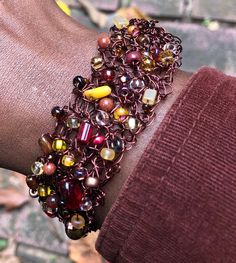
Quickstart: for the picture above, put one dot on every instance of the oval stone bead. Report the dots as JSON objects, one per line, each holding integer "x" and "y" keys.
{"x": 108, "y": 154}
{"x": 45, "y": 143}
{"x": 77, "y": 221}
{"x": 71, "y": 193}
{"x": 37, "y": 168}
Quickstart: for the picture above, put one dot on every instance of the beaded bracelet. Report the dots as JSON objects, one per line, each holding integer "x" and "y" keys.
{"x": 132, "y": 73}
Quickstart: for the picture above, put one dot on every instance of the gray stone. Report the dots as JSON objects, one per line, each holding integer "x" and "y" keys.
{"x": 217, "y": 9}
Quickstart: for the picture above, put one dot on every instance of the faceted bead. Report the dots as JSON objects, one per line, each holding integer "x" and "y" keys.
{"x": 44, "y": 191}
{"x": 32, "y": 182}
{"x": 45, "y": 143}
{"x": 136, "y": 84}
{"x": 57, "y": 111}
{"x": 125, "y": 78}
{"x": 120, "y": 113}
{"x": 108, "y": 74}
{"x": 97, "y": 93}
{"x": 149, "y": 96}
{"x": 71, "y": 193}
{"x": 165, "y": 57}
{"x": 103, "y": 40}
{"x": 142, "y": 40}
{"x": 77, "y": 221}
{"x": 86, "y": 204}
{"x": 97, "y": 63}
{"x": 148, "y": 64}
{"x": 68, "y": 160}
{"x": 59, "y": 145}
{"x": 107, "y": 154}
{"x": 72, "y": 232}
{"x": 37, "y": 168}
{"x": 102, "y": 118}
{"x": 73, "y": 123}
{"x": 92, "y": 182}
{"x": 85, "y": 132}
{"x": 80, "y": 173}
{"x": 117, "y": 144}
{"x": 132, "y": 124}
{"x": 98, "y": 140}
{"x": 120, "y": 22}
{"x": 49, "y": 168}
{"x": 52, "y": 201}
{"x": 133, "y": 56}
{"x": 106, "y": 104}
{"x": 79, "y": 82}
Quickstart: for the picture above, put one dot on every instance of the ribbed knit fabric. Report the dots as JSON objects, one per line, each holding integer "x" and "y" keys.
{"x": 179, "y": 205}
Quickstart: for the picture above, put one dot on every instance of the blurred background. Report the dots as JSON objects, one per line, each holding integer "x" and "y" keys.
{"x": 208, "y": 31}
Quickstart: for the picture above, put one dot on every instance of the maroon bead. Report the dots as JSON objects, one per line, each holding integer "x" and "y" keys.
{"x": 32, "y": 182}
{"x": 104, "y": 40}
{"x": 71, "y": 193}
{"x": 98, "y": 140}
{"x": 108, "y": 74}
{"x": 52, "y": 201}
{"x": 57, "y": 111}
{"x": 133, "y": 56}
{"x": 85, "y": 132}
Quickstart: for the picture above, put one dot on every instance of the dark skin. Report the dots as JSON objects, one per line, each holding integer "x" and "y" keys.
{"x": 42, "y": 49}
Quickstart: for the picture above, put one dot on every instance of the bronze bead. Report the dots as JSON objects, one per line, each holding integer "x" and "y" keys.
{"x": 106, "y": 104}
{"x": 45, "y": 143}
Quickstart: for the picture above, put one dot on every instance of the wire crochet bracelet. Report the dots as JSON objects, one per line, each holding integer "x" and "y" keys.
{"x": 132, "y": 72}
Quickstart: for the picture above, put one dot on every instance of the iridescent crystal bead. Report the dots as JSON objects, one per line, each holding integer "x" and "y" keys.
{"x": 85, "y": 132}
{"x": 132, "y": 124}
{"x": 68, "y": 160}
{"x": 59, "y": 145}
{"x": 148, "y": 64}
{"x": 45, "y": 143}
{"x": 120, "y": 22}
{"x": 97, "y": 63}
{"x": 77, "y": 221}
{"x": 37, "y": 168}
{"x": 102, "y": 118}
{"x": 44, "y": 191}
{"x": 149, "y": 96}
{"x": 136, "y": 84}
{"x": 86, "y": 204}
{"x": 166, "y": 57}
{"x": 72, "y": 122}
{"x": 108, "y": 154}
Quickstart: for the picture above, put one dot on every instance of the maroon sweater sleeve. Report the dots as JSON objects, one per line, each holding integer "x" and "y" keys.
{"x": 178, "y": 206}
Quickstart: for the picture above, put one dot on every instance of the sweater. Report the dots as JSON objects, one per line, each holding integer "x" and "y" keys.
{"x": 179, "y": 203}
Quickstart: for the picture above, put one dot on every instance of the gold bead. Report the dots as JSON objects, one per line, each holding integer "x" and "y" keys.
{"x": 59, "y": 145}
{"x": 78, "y": 221}
{"x": 131, "y": 28}
{"x": 68, "y": 160}
{"x": 148, "y": 64}
{"x": 44, "y": 191}
{"x": 166, "y": 57}
{"x": 149, "y": 96}
{"x": 97, "y": 62}
{"x": 97, "y": 93}
{"x": 120, "y": 22}
{"x": 107, "y": 154}
{"x": 120, "y": 113}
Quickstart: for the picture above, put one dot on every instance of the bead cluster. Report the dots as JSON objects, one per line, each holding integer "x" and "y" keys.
{"x": 131, "y": 73}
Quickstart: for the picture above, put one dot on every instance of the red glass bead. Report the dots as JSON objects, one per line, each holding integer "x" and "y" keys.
{"x": 49, "y": 168}
{"x": 108, "y": 74}
{"x": 133, "y": 56}
{"x": 85, "y": 132}
{"x": 71, "y": 193}
{"x": 104, "y": 40}
{"x": 98, "y": 140}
